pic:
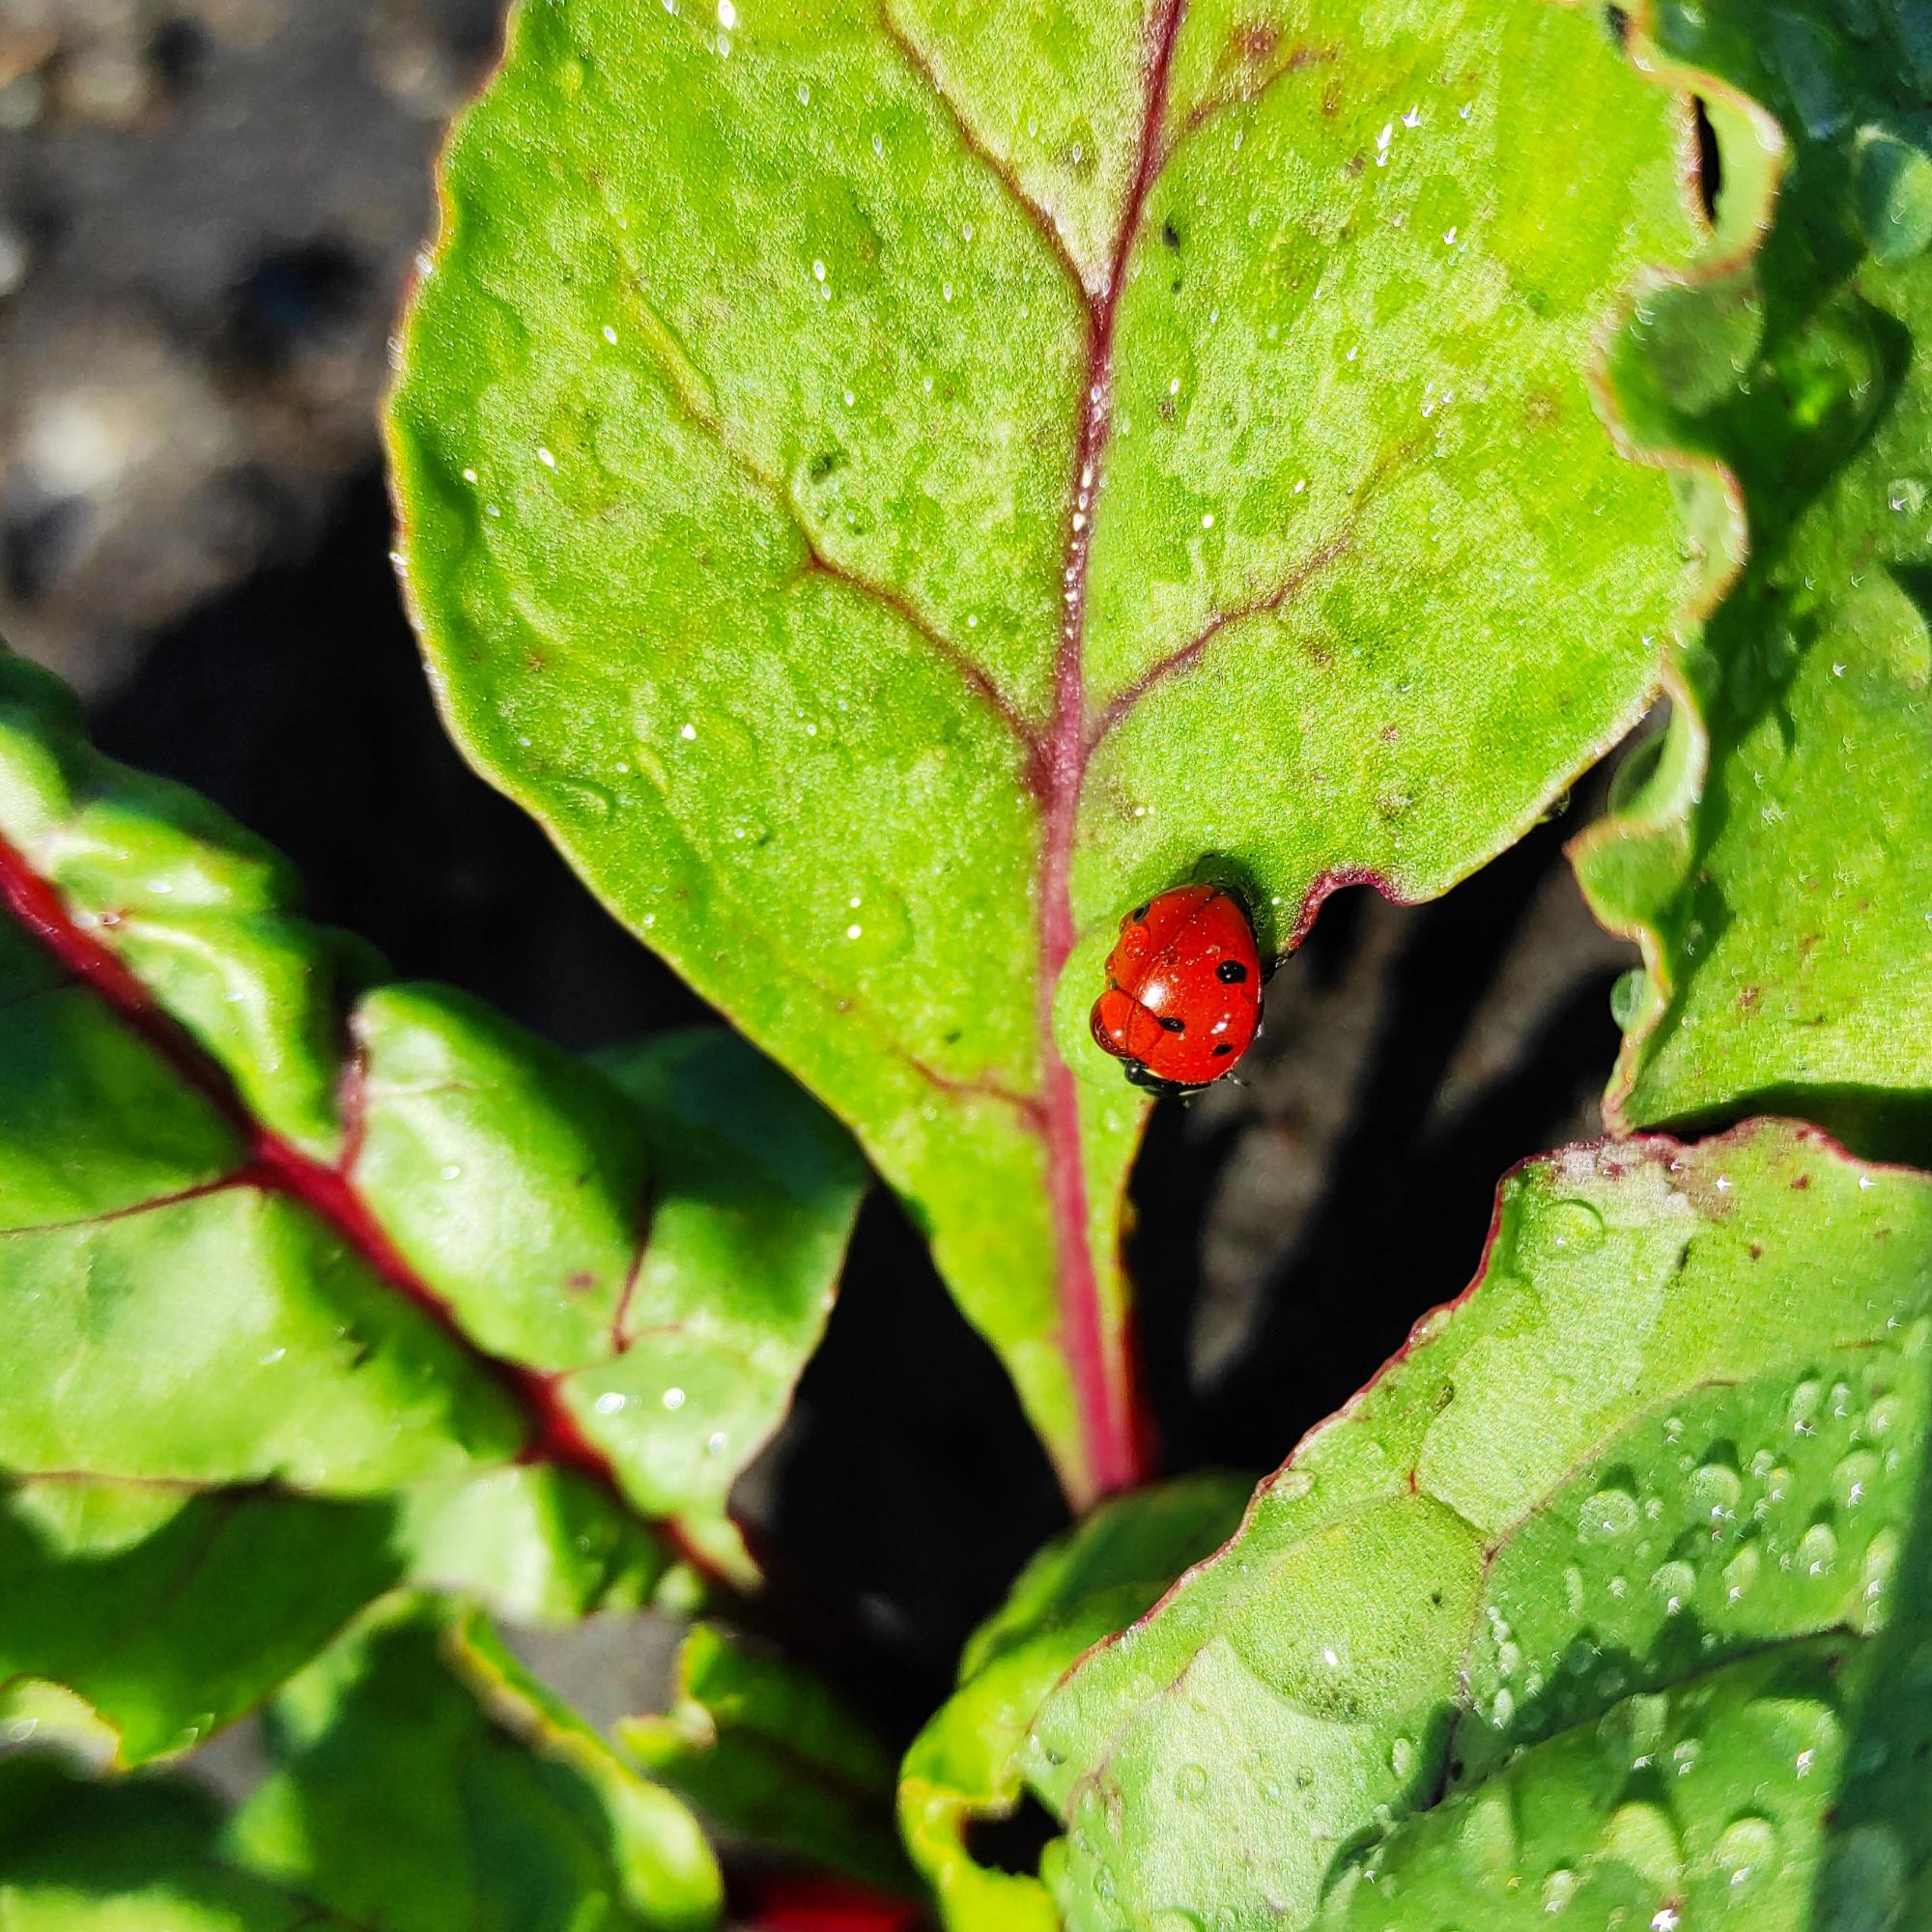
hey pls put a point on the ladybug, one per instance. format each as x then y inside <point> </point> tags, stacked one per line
<point>1183,997</point>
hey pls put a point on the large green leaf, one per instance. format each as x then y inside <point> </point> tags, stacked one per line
<point>890,487</point>
<point>280,1320</point>
<point>1773,853</point>
<point>1680,1421</point>
<point>1699,1807</point>
<point>963,1770</point>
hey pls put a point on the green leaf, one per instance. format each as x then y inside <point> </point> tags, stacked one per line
<point>891,488</point>
<point>398,1801</point>
<point>141,1856</point>
<point>465,1306</point>
<point>1699,1807</point>
<point>1771,855</point>
<point>168,1612</point>
<point>963,1768</point>
<point>1680,1421</point>
<point>767,1752</point>
<point>537,1543</point>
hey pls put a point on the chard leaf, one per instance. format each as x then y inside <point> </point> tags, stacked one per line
<point>891,488</point>
<point>467,1309</point>
<point>400,1801</point>
<point>167,1612</point>
<point>1543,1605</point>
<point>142,1856</point>
<point>1771,853</point>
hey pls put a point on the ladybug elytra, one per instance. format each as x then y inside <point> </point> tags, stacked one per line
<point>1183,997</point>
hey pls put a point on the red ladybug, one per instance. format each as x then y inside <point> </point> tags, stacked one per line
<point>1183,997</point>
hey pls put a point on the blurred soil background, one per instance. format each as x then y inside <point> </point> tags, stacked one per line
<point>208,212</point>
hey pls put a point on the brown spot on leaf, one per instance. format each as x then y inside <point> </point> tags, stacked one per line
<point>1253,42</point>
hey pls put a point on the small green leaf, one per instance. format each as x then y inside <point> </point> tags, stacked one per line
<point>890,488</point>
<point>514,1329</point>
<point>1775,861</point>
<point>964,1768</point>
<point>1681,1419</point>
<point>766,1752</point>
<point>399,1802</point>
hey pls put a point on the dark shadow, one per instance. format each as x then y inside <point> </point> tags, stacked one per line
<point>1164,1249</point>
<point>299,704</point>
<point>1175,1184</point>
<point>910,1489</point>
<point>1877,1123</point>
<point>1013,1843</point>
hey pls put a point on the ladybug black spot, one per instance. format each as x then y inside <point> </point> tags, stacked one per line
<point>1139,913</point>
<point>1170,1024</point>
<point>1230,972</point>
<point>1222,1051</point>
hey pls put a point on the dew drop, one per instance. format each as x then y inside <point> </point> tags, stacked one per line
<point>1609,1515</point>
<point>1741,1573</point>
<point>1745,1852</point>
<point>1576,1224</point>
<point>1719,1489</point>
<point>1676,1582</point>
<point>1559,1889</point>
<point>1817,1550</point>
<point>1853,1479</point>
<point>1907,495</point>
<point>1806,1400</point>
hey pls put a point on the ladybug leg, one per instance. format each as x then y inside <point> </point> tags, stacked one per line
<point>1152,1083</point>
